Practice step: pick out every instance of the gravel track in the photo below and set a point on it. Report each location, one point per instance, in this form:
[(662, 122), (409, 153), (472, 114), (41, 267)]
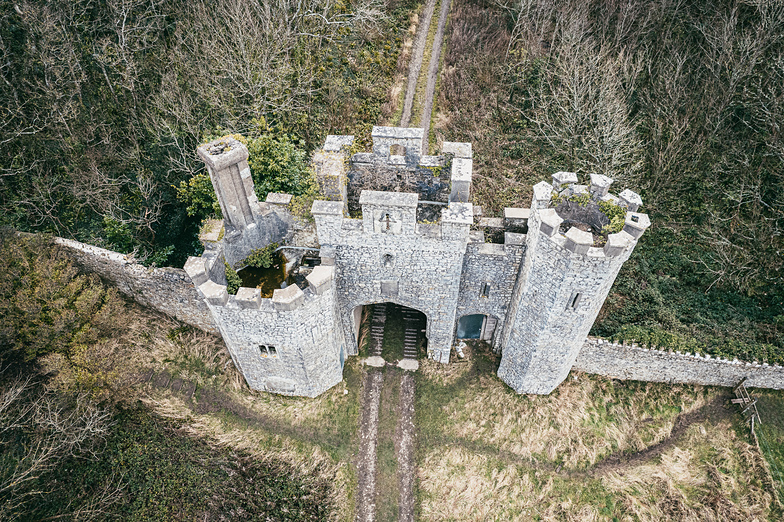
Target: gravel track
[(415, 65), (432, 73), (368, 439), (404, 447)]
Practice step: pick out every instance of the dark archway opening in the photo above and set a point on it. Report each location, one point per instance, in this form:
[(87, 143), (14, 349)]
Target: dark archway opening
[(391, 331), (476, 326)]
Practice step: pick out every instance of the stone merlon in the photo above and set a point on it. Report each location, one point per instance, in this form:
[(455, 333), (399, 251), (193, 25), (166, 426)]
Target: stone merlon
[(388, 199), (320, 280), (459, 150), (564, 178), (289, 298), (630, 199), (551, 222), (327, 208), (636, 224)]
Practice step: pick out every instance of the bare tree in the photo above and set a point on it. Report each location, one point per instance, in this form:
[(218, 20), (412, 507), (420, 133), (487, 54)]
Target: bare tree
[(50, 427)]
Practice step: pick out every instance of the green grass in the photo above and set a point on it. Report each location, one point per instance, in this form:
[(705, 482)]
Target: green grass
[(162, 474), (660, 299), (387, 482), (771, 434), (394, 332)]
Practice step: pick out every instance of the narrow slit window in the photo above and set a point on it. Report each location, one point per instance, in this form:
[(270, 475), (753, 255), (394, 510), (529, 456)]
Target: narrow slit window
[(485, 290), (574, 300)]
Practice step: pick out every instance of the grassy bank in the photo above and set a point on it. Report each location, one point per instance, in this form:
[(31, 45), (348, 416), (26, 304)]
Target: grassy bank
[(593, 449)]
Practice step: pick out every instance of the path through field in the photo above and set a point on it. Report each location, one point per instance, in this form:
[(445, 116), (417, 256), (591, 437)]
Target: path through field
[(385, 463), (421, 86), (372, 494)]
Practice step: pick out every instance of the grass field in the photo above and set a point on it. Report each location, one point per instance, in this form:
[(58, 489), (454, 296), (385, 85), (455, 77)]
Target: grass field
[(595, 449)]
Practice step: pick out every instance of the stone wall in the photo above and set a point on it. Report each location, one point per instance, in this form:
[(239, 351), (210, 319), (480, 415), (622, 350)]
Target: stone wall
[(495, 265), (168, 290), (422, 272), (640, 364), (562, 285), (308, 349)]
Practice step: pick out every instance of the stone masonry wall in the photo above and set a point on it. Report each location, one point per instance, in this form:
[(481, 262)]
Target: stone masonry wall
[(424, 272), (640, 364), (562, 285), (496, 265), (308, 343), (168, 290)]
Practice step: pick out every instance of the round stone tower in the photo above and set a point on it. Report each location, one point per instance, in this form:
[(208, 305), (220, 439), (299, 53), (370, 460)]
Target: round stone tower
[(564, 278)]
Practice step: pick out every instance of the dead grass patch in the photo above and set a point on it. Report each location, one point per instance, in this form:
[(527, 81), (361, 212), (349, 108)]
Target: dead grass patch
[(487, 453), (308, 460)]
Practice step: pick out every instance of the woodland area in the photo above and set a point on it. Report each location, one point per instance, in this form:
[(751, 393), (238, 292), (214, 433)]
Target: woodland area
[(681, 101)]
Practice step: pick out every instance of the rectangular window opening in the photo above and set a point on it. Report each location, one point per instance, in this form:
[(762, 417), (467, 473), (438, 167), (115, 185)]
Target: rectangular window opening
[(268, 351), (485, 290), (575, 300)]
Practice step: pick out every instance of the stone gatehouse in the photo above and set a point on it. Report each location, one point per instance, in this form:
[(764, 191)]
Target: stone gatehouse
[(531, 283)]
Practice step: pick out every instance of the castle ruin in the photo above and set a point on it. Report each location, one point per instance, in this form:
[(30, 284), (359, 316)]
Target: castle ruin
[(531, 283)]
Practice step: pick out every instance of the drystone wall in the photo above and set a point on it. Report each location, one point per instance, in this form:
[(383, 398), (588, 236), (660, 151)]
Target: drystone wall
[(631, 362), (168, 290)]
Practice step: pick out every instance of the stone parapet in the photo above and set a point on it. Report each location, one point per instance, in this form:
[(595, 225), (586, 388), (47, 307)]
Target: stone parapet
[(632, 362), (168, 290)]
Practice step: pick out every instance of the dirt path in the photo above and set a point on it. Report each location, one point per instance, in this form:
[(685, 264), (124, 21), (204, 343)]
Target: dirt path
[(368, 439), (714, 411), (404, 448), (415, 65), (432, 74)]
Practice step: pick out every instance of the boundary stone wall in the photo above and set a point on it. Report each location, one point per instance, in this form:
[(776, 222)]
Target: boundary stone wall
[(632, 362), (168, 290)]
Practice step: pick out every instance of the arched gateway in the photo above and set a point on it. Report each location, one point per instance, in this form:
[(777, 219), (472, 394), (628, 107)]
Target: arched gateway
[(534, 296)]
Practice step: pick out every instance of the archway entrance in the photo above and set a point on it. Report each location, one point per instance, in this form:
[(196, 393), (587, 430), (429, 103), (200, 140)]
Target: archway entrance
[(476, 326), (391, 331)]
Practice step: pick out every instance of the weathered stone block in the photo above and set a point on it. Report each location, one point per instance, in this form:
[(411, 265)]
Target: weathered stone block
[(249, 298), (550, 222), (289, 298), (542, 193), (335, 143), (327, 208), (636, 224), (214, 293), (459, 150), (600, 185), (195, 269), (462, 173), (277, 198), (222, 153), (517, 213), (630, 199), (320, 279), (563, 178), (617, 244), (578, 241)]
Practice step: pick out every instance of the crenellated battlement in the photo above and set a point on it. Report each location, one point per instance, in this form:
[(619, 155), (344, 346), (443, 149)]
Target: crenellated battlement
[(283, 300), (396, 226), (579, 206)]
